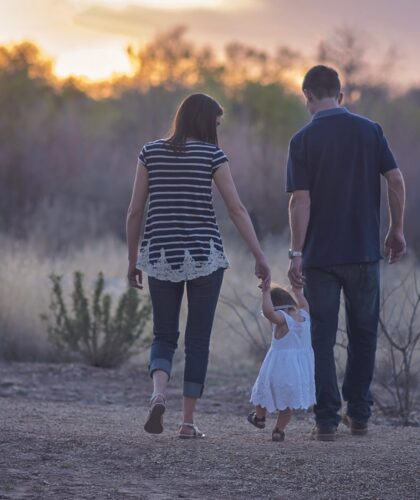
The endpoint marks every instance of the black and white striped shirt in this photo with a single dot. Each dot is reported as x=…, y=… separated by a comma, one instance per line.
x=181, y=239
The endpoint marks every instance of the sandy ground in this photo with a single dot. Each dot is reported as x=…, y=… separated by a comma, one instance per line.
x=75, y=432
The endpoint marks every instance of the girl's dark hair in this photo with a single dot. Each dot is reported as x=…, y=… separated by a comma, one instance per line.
x=281, y=297
x=196, y=118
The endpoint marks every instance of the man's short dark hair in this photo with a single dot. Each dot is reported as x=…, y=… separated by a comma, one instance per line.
x=322, y=81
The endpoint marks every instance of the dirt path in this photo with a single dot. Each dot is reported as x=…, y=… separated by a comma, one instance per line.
x=74, y=432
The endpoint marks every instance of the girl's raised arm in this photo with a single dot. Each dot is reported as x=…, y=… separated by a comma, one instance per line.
x=300, y=298
x=268, y=308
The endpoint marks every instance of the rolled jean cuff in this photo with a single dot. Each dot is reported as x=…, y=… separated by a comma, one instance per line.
x=160, y=364
x=193, y=389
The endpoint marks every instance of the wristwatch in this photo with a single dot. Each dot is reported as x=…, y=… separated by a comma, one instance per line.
x=294, y=253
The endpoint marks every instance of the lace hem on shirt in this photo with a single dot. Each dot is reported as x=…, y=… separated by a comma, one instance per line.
x=189, y=269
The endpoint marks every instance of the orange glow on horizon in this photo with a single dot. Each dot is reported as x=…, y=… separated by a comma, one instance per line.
x=93, y=64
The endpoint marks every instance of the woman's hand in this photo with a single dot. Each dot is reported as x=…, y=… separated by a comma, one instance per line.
x=135, y=277
x=262, y=271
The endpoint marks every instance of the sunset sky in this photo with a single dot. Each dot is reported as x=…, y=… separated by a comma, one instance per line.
x=88, y=37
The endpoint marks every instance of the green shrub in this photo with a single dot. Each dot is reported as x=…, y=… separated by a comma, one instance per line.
x=92, y=332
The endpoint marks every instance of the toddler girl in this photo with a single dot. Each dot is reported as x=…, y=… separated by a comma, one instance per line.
x=286, y=379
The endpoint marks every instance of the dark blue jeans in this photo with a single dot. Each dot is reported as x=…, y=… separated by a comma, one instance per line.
x=202, y=294
x=360, y=285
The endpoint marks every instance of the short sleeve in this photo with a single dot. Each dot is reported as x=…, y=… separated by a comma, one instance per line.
x=218, y=159
x=386, y=158
x=143, y=156
x=297, y=171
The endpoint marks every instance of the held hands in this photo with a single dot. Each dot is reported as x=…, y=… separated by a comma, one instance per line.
x=134, y=277
x=262, y=271
x=264, y=287
x=295, y=274
x=395, y=245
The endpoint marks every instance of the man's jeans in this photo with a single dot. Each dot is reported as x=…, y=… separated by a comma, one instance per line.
x=360, y=285
x=202, y=294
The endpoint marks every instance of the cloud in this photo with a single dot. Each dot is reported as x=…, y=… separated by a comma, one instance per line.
x=271, y=23
x=141, y=22
x=267, y=24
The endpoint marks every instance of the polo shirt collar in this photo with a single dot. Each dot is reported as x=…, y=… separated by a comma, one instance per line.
x=330, y=112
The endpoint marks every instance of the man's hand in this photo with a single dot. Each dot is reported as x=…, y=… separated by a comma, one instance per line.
x=296, y=278
x=135, y=277
x=395, y=245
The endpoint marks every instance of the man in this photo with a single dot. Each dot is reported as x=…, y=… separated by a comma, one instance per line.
x=333, y=172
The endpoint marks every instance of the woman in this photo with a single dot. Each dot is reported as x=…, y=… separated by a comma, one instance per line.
x=181, y=247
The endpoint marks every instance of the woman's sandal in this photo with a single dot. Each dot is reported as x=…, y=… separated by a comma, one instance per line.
x=256, y=421
x=190, y=435
x=154, y=422
x=277, y=434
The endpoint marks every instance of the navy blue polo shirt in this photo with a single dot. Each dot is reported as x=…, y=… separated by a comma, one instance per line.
x=339, y=158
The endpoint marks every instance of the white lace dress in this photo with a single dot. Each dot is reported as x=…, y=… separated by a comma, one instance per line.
x=286, y=378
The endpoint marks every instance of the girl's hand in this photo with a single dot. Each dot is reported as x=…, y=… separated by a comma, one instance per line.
x=135, y=277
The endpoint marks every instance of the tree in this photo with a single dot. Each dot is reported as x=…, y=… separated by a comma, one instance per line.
x=346, y=50
x=171, y=61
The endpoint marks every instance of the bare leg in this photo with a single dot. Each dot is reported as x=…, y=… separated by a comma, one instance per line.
x=260, y=411
x=160, y=382
x=283, y=418
x=154, y=422
x=188, y=412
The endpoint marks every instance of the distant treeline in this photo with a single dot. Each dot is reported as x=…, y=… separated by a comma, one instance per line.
x=68, y=149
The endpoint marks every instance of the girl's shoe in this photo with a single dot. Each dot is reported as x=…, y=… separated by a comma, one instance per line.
x=196, y=433
x=256, y=421
x=154, y=422
x=277, y=434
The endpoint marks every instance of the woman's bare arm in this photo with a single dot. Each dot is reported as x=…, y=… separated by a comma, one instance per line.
x=134, y=219
x=240, y=217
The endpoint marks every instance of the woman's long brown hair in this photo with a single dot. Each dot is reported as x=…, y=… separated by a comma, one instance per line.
x=196, y=118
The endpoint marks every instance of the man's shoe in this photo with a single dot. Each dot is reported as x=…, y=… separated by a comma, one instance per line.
x=324, y=432
x=357, y=428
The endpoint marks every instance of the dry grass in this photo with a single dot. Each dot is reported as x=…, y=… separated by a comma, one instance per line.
x=25, y=290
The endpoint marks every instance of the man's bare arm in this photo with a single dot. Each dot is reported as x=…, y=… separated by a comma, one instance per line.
x=299, y=209
x=395, y=245
x=299, y=212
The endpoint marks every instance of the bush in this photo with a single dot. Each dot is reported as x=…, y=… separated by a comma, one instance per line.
x=92, y=333
x=397, y=377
